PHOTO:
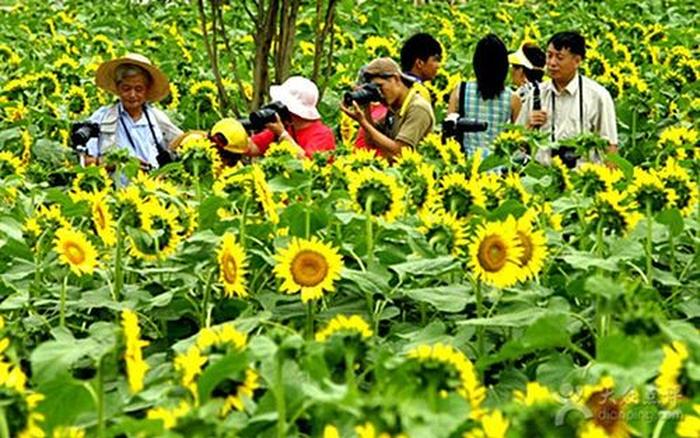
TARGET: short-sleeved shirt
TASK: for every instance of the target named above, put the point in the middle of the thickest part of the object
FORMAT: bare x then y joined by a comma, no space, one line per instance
377,112
315,137
563,109
115,122
412,124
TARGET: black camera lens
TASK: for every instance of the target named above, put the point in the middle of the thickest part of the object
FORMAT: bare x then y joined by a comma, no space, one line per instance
367,93
82,132
265,115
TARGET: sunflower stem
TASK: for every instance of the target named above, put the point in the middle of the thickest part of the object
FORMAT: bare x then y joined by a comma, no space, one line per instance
307,213
62,307
204,320
4,428
368,233
479,314
100,400
118,271
310,313
241,231
650,224
350,372
279,396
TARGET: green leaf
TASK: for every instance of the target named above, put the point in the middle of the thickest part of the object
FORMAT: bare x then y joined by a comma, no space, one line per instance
520,318
432,267
673,219
67,401
603,286
625,166
229,366
453,298
510,207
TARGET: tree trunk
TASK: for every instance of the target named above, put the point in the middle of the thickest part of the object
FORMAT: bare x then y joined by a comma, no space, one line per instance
285,41
265,24
322,32
212,51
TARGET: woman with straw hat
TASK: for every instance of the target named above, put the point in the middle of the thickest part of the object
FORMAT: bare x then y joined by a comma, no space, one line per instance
132,123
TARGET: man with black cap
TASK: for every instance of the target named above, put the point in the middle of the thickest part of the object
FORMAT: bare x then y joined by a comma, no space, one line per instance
410,117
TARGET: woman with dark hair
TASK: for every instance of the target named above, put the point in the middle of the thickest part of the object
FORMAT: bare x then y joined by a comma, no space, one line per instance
487,100
526,71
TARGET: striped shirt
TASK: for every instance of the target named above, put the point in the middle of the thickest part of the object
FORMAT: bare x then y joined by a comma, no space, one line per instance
496,112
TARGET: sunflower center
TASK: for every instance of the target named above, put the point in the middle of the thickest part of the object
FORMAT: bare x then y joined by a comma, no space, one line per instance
74,253
493,254
607,412
309,268
229,268
527,248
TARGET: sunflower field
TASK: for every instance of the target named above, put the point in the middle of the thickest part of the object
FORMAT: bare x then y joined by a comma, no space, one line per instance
347,296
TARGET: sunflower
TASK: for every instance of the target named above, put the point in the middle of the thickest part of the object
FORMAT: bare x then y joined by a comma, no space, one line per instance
408,161
380,191
353,325
534,245
10,165
422,192
102,218
647,188
77,101
360,159
493,425
535,393
616,216
200,158
379,46
607,412
689,426
468,384
309,267
444,230
368,430
169,416
432,149
233,184
232,267
129,203
136,367
561,175
495,253
162,230
459,195
348,129
75,250
189,365
491,188
283,149
264,195
592,178
668,387
242,392
453,153
90,180
677,178
513,189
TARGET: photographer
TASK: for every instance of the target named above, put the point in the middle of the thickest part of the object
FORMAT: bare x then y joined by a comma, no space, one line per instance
131,123
300,122
571,104
526,72
410,116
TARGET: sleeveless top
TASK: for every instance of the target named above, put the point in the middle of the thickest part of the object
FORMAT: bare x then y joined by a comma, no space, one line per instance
496,112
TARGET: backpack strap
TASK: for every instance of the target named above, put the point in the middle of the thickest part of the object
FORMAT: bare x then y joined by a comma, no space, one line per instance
462,90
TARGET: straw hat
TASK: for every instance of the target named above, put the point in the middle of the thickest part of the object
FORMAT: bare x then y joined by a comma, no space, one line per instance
299,95
105,76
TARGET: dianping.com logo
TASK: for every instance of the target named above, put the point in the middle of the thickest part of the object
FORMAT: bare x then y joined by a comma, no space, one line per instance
608,407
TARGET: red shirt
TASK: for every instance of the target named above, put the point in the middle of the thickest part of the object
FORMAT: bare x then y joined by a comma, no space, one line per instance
378,112
314,137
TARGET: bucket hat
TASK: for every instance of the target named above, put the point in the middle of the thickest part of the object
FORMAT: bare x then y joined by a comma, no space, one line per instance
299,95
105,76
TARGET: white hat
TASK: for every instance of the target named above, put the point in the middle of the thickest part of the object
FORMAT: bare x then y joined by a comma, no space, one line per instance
105,76
299,95
519,58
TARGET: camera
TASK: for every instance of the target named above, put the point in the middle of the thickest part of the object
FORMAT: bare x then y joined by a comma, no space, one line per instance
82,132
258,119
367,93
567,155
455,127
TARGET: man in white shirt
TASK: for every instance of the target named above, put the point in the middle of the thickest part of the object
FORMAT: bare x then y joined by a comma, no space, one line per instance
571,104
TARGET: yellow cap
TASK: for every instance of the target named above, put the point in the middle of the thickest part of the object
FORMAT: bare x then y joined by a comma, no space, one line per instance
234,133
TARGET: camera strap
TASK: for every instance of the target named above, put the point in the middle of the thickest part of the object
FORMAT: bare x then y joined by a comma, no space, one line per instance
150,126
580,107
